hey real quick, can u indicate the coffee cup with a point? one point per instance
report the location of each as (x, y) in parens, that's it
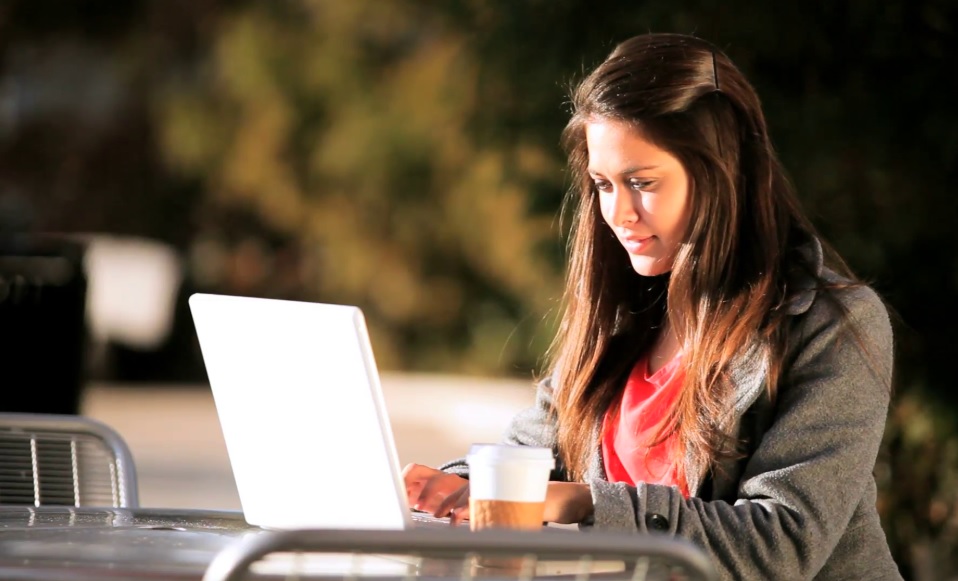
(507, 486)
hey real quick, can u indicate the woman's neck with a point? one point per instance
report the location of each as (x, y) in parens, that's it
(664, 349)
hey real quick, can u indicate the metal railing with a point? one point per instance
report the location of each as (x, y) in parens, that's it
(457, 553)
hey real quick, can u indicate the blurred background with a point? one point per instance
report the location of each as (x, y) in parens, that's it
(403, 156)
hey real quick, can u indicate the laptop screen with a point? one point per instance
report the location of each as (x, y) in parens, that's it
(299, 401)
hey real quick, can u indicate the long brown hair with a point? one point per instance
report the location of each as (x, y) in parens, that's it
(728, 282)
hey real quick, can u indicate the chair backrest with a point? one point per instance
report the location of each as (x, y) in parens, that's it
(64, 460)
(459, 554)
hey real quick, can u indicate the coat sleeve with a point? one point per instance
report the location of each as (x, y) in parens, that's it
(534, 426)
(801, 486)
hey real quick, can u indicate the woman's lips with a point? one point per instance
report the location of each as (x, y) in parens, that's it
(636, 245)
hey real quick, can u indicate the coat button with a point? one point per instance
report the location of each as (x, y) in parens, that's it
(656, 522)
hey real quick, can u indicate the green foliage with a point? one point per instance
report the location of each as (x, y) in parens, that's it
(917, 474)
(344, 125)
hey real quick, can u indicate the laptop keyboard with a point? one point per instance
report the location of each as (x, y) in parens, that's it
(425, 519)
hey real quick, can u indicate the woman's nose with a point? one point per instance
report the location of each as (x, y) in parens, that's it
(623, 208)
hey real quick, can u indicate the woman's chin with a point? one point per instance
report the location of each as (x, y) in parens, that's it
(649, 266)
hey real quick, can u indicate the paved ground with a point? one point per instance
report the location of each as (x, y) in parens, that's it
(182, 462)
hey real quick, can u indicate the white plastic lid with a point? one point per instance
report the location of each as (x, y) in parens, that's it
(497, 453)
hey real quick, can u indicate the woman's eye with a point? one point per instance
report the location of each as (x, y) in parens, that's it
(640, 185)
(602, 185)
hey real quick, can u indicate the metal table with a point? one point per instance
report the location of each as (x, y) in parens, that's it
(81, 544)
(84, 544)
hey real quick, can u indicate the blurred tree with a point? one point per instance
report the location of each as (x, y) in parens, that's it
(343, 125)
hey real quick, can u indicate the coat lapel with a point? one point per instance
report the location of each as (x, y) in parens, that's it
(749, 373)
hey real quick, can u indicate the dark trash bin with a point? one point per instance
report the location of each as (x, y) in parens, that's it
(43, 289)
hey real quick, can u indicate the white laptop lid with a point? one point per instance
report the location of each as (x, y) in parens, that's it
(299, 401)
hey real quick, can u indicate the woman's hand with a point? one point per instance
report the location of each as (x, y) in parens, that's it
(438, 493)
(568, 502)
(442, 494)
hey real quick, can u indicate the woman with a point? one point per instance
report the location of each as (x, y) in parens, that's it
(718, 373)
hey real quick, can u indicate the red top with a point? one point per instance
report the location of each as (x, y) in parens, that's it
(629, 427)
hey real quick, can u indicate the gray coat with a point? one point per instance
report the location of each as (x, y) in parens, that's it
(801, 504)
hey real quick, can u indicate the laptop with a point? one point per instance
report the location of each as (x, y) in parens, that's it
(299, 400)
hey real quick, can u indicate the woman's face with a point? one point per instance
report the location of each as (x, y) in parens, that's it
(643, 194)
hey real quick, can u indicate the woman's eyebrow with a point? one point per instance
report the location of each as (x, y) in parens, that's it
(627, 171)
(636, 169)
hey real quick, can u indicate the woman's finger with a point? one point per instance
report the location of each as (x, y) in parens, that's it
(415, 476)
(460, 513)
(455, 500)
(436, 490)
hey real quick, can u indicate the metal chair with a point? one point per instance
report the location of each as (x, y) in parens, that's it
(64, 460)
(457, 553)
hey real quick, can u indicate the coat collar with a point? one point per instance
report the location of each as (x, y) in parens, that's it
(749, 371)
(804, 283)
